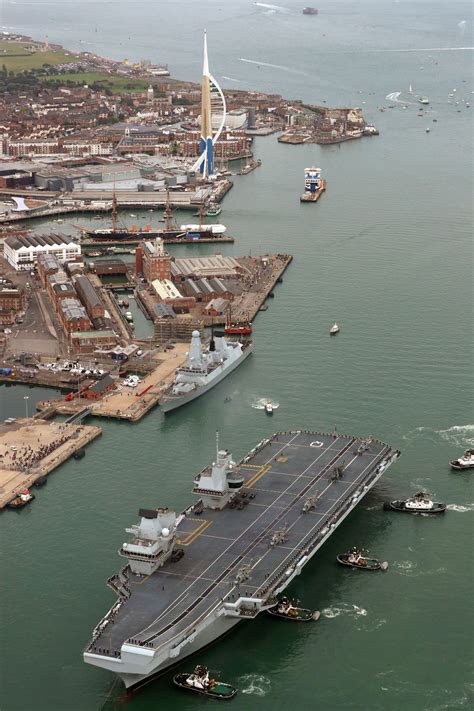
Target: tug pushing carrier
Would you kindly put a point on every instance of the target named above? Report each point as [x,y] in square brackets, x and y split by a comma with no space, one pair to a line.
[253,527]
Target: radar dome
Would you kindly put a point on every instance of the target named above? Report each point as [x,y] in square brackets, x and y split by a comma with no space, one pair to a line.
[165,532]
[196,334]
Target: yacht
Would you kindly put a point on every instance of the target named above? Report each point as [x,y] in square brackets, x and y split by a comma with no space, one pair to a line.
[334,329]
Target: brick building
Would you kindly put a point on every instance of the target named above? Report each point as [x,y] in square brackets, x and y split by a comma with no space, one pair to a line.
[90,298]
[73,315]
[12,303]
[156,263]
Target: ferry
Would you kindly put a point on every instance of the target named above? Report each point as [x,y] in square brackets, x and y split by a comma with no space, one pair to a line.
[314,185]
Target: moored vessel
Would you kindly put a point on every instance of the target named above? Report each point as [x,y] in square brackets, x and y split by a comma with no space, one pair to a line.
[466,461]
[424,100]
[24,497]
[204,368]
[419,503]
[334,329]
[237,328]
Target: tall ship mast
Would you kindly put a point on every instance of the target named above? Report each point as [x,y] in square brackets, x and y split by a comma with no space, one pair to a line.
[191,576]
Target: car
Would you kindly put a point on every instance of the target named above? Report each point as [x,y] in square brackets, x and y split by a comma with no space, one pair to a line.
[7,331]
[139,352]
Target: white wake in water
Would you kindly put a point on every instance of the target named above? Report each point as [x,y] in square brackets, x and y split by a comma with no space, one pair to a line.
[255,684]
[238,81]
[394,97]
[282,67]
[344,608]
[460,435]
[460,508]
[275,8]
[261,402]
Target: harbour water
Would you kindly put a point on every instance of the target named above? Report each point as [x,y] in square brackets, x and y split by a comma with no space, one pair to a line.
[386,253]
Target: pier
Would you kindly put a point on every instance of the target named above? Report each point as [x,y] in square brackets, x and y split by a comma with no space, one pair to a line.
[32,448]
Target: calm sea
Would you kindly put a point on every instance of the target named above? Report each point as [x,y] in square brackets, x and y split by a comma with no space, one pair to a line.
[387,252]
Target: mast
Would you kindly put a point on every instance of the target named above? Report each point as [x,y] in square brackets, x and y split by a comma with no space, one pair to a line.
[114,212]
[168,213]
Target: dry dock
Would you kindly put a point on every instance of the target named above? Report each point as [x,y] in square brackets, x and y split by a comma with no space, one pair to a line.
[30,448]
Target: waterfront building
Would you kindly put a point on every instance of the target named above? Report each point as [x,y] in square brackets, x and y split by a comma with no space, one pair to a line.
[22,252]
[89,297]
[12,303]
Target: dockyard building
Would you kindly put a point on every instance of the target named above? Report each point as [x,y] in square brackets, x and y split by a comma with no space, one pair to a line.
[73,316]
[90,298]
[22,252]
[90,341]
[156,263]
[12,303]
[198,267]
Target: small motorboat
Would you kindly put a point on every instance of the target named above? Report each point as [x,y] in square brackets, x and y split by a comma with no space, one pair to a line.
[286,610]
[334,329]
[227,399]
[464,462]
[78,454]
[269,408]
[41,481]
[129,316]
[200,682]
[427,129]
[23,498]
[356,559]
[420,503]
[424,100]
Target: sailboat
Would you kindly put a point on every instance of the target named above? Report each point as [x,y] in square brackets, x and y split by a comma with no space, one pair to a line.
[410,90]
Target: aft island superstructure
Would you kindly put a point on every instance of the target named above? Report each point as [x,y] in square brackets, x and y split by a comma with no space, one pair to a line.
[248,534]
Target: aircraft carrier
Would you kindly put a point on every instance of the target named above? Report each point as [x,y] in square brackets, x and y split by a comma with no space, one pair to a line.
[253,528]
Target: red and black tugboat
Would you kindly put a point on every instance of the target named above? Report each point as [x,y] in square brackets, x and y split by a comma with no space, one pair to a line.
[24,497]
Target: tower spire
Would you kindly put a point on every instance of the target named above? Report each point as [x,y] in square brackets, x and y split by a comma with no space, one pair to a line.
[205,65]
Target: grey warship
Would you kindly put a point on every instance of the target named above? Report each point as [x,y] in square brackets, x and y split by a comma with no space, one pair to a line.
[254,526]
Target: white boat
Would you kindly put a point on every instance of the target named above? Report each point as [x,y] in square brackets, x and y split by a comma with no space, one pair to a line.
[128,315]
[334,329]
[269,408]
[204,369]
[424,100]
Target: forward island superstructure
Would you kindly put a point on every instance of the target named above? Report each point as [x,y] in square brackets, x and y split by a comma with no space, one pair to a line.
[248,534]
[204,368]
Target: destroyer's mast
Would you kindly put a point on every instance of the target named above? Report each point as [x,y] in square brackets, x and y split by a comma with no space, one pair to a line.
[114,212]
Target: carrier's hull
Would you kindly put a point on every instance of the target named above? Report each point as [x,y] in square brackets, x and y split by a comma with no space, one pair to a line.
[171,402]
[162,618]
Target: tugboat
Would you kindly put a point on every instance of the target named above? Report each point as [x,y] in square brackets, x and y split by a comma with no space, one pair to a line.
[287,611]
[464,462]
[420,503]
[334,329]
[269,408]
[200,683]
[356,559]
[23,498]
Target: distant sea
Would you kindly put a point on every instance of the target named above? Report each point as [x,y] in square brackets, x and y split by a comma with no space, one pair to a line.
[387,253]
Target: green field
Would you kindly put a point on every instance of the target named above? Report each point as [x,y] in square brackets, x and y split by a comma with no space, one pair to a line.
[119,85]
[18,56]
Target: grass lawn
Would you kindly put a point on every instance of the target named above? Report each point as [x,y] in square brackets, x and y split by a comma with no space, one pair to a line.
[17,56]
[119,85]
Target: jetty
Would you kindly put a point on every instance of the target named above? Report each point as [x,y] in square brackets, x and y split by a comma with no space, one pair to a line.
[31,448]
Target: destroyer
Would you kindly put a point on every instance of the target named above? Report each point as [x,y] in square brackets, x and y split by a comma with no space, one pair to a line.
[205,369]
[238,558]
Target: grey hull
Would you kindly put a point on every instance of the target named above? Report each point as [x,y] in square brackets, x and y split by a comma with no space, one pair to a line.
[173,402]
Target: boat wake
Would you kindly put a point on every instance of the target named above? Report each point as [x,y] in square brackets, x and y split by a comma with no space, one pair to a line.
[409,568]
[344,608]
[460,508]
[261,402]
[237,81]
[254,684]
[460,435]
[282,67]
[394,97]
[274,8]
